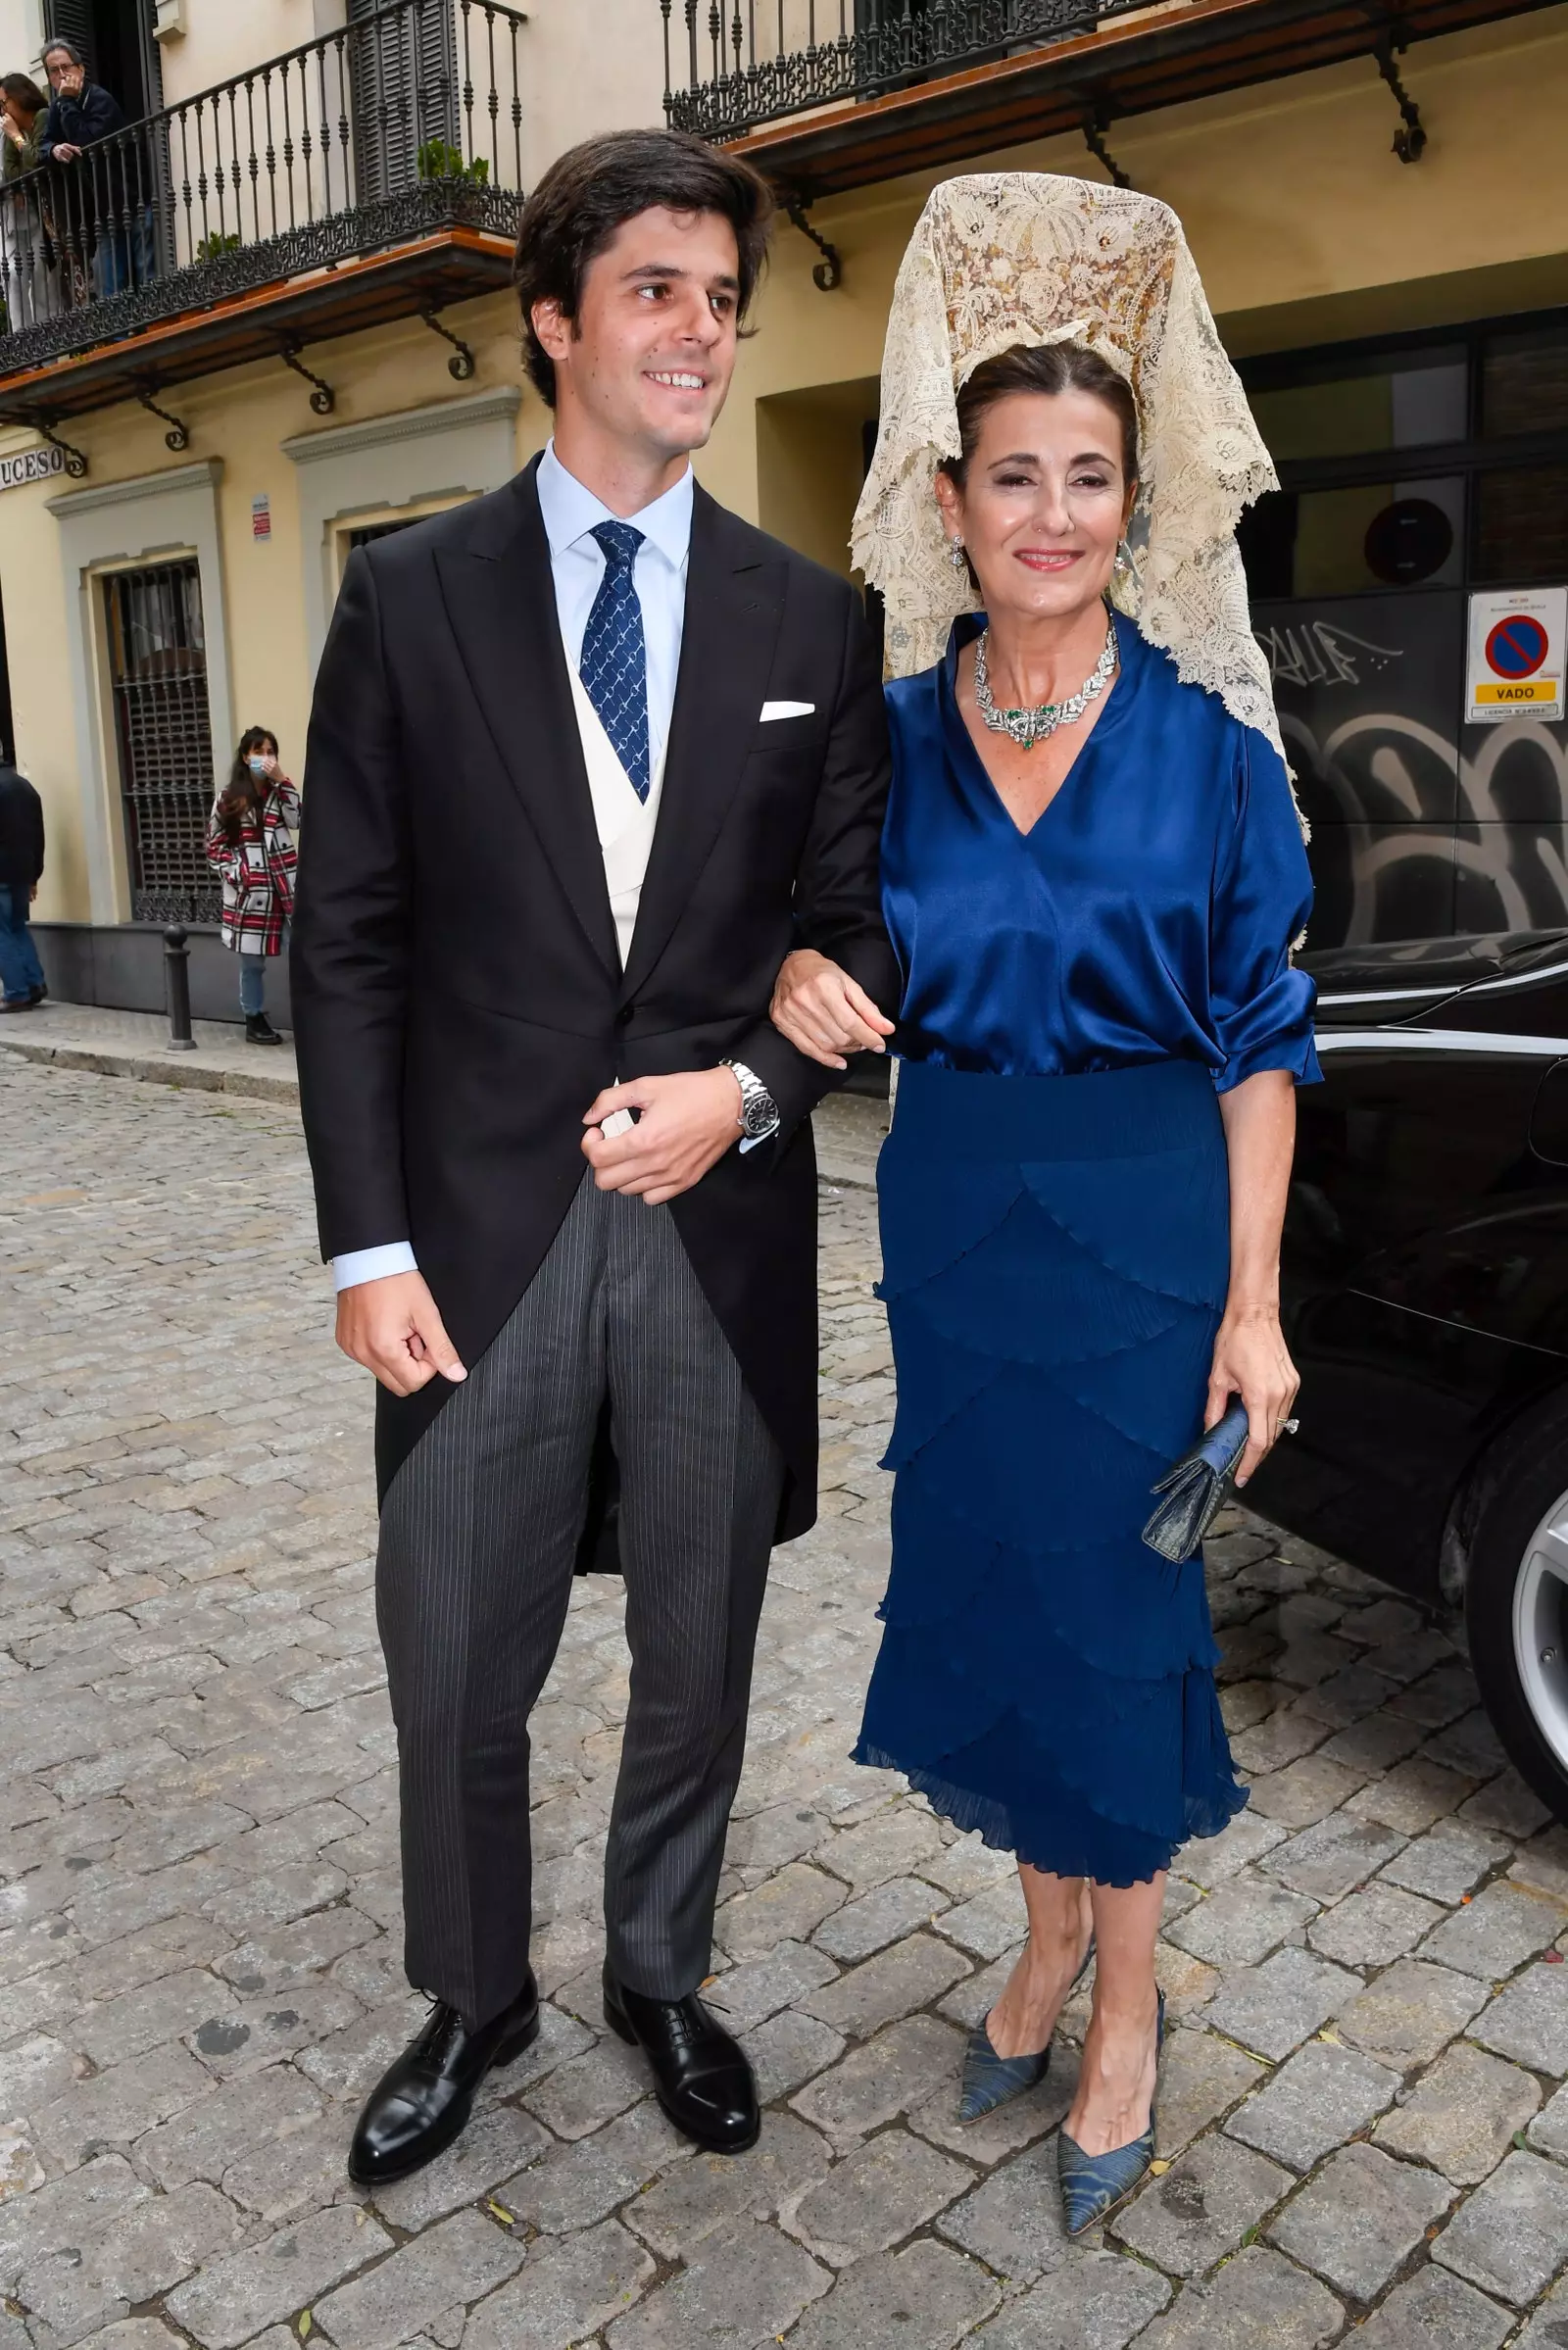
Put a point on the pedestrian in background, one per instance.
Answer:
(250, 846)
(20, 868)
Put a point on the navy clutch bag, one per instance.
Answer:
(1194, 1486)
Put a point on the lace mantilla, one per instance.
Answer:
(1026, 257)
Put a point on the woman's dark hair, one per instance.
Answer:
(244, 795)
(27, 94)
(591, 190)
(1049, 368)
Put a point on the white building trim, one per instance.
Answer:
(454, 449)
(115, 526)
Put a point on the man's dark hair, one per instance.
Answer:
(591, 190)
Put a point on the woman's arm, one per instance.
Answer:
(1250, 1359)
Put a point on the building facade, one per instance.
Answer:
(1379, 208)
(271, 317)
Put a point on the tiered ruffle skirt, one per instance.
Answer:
(1055, 1266)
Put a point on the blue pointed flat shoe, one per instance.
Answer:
(1094, 2185)
(990, 2080)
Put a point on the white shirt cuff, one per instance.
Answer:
(373, 1265)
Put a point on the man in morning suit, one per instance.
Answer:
(588, 757)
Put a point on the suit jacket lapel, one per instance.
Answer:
(734, 604)
(501, 600)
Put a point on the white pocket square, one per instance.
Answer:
(787, 710)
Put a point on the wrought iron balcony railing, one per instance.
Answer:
(404, 122)
(733, 65)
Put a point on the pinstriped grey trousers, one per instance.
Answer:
(479, 1532)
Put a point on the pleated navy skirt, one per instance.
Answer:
(1055, 1255)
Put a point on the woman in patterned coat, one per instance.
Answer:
(250, 846)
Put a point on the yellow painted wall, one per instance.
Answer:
(32, 586)
(222, 37)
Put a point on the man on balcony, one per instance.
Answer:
(101, 207)
(588, 757)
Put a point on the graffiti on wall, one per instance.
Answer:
(1421, 826)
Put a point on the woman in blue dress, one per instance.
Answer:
(1092, 873)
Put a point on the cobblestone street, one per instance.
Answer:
(1362, 2126)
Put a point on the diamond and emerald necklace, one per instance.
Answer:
(1026, 727)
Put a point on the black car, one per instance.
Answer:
(1426, 1303)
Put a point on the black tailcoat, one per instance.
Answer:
(456, 989)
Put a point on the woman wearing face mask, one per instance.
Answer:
(1092, 872)
(250, 846)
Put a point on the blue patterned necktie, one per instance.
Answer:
(613, 667)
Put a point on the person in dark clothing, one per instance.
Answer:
(80, 111)
(21, 864)
(95, 198)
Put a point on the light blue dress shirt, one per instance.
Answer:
(578, 566)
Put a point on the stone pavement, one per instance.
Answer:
(1362, 2124)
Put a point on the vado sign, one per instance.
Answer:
(33, 464)
(1516, 655)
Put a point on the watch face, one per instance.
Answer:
(758, 1115)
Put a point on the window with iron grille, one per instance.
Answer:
(158, 675)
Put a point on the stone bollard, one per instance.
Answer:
(177, 988)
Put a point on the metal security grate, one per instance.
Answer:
(158, 671)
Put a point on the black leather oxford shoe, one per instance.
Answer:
(701, 2076)
(421, 2103)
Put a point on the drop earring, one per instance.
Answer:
(1123, 566)
(956, 554)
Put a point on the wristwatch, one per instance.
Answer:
(758, 1110)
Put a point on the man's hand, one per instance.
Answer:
(824, 1012)
(391, 1326)
(687, 1124)
(65, 153)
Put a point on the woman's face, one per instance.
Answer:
(261, 756)
(1045, 504)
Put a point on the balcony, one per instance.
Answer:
(826, 95)
(372, 175)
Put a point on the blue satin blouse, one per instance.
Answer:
(1147, 915)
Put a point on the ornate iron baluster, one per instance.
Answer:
(253, 164)
(271, 154)
(326, 140)
(516, 111)
(344, 136)
(495, 95)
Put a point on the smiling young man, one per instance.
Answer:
(588, 757)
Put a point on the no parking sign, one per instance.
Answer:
(1516, 655)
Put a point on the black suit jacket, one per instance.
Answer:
(456, 991)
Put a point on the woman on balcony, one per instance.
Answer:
(23, 244)
(250, 846)
(1092, 872)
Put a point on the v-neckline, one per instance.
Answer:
(957, 725)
